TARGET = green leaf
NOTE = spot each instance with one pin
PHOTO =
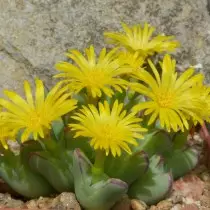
(19, 134)
(127, 167)
(120, 96)
(156, 142)
(57, 170)
(79, 142)
(81, 97)
(180, 139)
(101, 195)
(57, 129)
(28, 147)
(181, 161)
(21, 179)
(154, 185)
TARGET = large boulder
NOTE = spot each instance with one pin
(34, 34)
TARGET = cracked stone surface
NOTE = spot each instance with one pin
(34, 34)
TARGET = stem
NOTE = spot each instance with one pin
(98, 167)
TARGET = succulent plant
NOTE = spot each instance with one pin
(21, 178)
(153, 185)
(116, 124)
(101, 194)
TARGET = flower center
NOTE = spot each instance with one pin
(95, 78)
(164, 100)
(107, 132)
(34, 120)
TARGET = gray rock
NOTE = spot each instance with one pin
(34, 34)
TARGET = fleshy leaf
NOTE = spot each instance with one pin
(127, 167)
(79, 142)
(180, 140)
(181, 161)
(28, 147)
(56, 170)
(101, 195)
(152, 186)
(21, 179)
(57, 129)
(156, 142)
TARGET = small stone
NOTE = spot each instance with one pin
(7, 202)
(153, 208)
(15, 203)
(31, 204)
(176, 198)
(123, 204)
(197, 138)
(189, 200)
(164, 205)
(189, 186)
(205, 201)
(65, 201)
(43, 202)
(69, 201)
(177, 207)
(190, 207)
(205, 176)
(138, 205)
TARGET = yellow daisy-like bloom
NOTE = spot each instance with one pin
(138, 38)
(96, 75)
(34, 116)
(134, 60)
(5, 132)
(204, 92)
(170, 98)
(109, 129)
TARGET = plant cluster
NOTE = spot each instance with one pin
(115, 123)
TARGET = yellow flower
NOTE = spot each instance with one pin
(109, 130)
(204, 92)
(138, 38)
(5, 132)
(169, 97)
(34, 116)
(134, 60)
(97, 75)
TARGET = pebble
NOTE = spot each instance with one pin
(176, 198)
(185, 207)
(165, 205)
(189, 186)
(138, 205)
(123, 204)
(205, 201)
(7, 201)
(205, 176)
(190, 207)
(65, 201)
(153, 208)
(177, 207)
(162, 205)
